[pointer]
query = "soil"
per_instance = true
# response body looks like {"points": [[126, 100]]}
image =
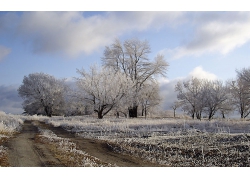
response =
{"points": [[24, 151]]}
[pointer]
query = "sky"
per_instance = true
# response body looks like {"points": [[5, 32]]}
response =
{"points": [[204, 44]]}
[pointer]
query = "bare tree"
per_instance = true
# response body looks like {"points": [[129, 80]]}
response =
{"points": [[216, 94], [239, 91], [103, 88], [43, 94], [131, 58], [174, 106], [190, 95]]}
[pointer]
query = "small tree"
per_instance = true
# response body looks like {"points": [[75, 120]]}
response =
{"points": [[174, 106]]}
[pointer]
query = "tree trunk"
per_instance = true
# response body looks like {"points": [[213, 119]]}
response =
{"points": [[48, 111], [133, 112], [210, 115], [192, 116], [223, 114], [100, 116], [198, 115]]}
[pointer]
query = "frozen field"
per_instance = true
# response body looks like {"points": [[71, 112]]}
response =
{"points": [[170, 142], [166, 141]]}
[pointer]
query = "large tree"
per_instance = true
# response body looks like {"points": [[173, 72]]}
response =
{"points": [[132, 58], [42, 94], [103, 89]]}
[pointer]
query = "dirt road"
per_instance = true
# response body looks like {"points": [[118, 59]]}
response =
{"points": [[24, 151]]}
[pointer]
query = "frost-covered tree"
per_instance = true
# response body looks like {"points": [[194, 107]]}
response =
{"points": [[191, 96], [42, 94], [132, 59], [103, 88], [215, 95], [240, 92], [198, 96]]}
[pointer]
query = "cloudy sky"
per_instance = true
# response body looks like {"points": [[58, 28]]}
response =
{"points": [[202, 44]]}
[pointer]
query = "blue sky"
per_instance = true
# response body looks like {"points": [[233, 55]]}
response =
{"points": [[203, 44]]}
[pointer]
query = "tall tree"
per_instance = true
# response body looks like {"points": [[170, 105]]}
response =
{"points": [[43, 94], [131, 58]]}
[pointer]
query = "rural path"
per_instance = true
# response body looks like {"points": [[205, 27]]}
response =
{"points": [[24, 151]]}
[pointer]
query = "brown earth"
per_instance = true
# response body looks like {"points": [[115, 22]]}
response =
{"points": [[24, 151]]}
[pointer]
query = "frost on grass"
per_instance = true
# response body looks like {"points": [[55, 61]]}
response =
{"points": [[67, 152], [9, 124], [171, 142]]}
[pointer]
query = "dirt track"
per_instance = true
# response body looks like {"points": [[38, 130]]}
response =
{"points": [[24, 151]]}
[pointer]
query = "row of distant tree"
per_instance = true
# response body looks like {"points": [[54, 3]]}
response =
{"points": [[201, 97], [124, 84]]}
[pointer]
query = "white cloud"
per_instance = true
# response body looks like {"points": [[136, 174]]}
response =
{"points": [[214, 32], [4, 52], [73, 33], [198, 72]]}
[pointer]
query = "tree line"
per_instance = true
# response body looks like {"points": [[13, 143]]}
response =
{"points": [[201, 97], [124, 84]]}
